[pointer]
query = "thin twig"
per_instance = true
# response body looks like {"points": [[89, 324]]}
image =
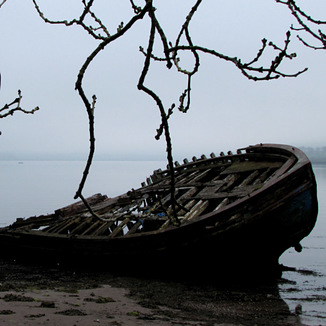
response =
{"points": [[305, 21], [6, 110], [2, 3]]}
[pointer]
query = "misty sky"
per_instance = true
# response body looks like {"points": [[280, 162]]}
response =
{"points": [[228, 111]]}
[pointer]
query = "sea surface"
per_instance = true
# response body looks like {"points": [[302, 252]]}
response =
{"points": [[306, 287], [39, 187]]}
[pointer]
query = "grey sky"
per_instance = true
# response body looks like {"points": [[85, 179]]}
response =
{"points": [[227, 111]]}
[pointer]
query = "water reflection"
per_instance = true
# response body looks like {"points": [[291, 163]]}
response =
{"points": [[304, 288]]}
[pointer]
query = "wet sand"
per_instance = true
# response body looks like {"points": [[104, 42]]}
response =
{"points": [[44, 296]]}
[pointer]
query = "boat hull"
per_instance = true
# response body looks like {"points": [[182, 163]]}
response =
{"points": [[245, 237]]}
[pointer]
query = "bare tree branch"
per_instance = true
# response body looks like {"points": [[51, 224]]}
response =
{"points": [[90, 29], [307, 24], [2, 3], [267, 73], [185, 30], [14, 106], [251, 70], [90, 108], [164, 116]]}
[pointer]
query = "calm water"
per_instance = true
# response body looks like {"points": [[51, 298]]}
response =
{"points": [[307, 285], [39, 187], [34, 188]]}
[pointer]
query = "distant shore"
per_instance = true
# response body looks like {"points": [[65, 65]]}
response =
{"points": [[315, 154]]}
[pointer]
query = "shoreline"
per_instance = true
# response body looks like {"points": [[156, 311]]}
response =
{"points": [[37, 296]]}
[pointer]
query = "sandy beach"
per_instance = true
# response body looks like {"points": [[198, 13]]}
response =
{"points": [[48, 296], [104, 305]]}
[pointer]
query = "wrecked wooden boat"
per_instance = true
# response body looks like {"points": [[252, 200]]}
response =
{"points": [[236, 211]]}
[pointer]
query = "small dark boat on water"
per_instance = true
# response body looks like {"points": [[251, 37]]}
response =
{"points": [[236, 211]]}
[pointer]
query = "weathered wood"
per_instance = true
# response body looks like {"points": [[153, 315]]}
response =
{"points": [[249, 179], [68, 227], [135, 228], [149, 181], [222, 204], [103, 229], [119, 228], [237, 192], [180, 180], [229, 181], [188, 194], [198, 209], [201, 175], [157, 175], [92, 227], [188, 206], [240, 167], [58, 227], [79, 206], [210, 189], [263, 176], [285, 167], [36, 222], [181, 199], [81, 225]]}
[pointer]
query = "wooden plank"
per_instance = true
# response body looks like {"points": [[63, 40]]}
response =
{"points": [[182, 199], [200, 175], [263, 177], [229, 181], [240, 167], [102, 229], [207, 191], [237, 192], [166, 224], [134, 228], [119, 228], [251, 177], [65, 228], [214, 183], [188, 207], [35, 222], [57, 228], [79, 206], [184, 178], [82, 224], [188, 194], [52, 227], [198, 209], [285, 167], [222, 204], [92, 226]]}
